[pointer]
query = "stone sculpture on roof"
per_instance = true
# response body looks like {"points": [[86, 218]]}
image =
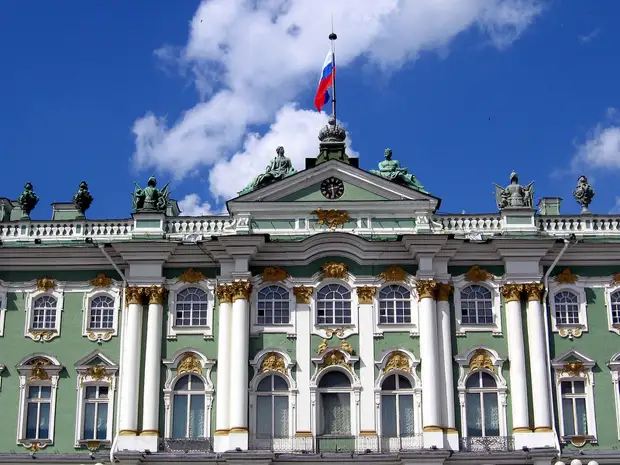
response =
{"points": [[27, 200], [583, 194], [150, 198], [391, 170], [514, 195], [279, 168]]}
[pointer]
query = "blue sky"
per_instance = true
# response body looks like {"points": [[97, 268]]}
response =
{"points": [[111, 92]]}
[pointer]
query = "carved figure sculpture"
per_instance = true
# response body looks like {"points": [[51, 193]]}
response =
{"points": [[583, 194], [150, 198], [27, 200], [279, 168], [392, 171], [514, 195], [82, 198]]}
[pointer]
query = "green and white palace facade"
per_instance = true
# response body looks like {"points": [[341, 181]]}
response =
{"points": [[332, 316]]}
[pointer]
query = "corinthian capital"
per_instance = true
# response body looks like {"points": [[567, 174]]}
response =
{"points": [[512, 292], [134, 295], [426, 288], [241, 290], [534, 291], [224, 293], [156, 294], [443, 291]]}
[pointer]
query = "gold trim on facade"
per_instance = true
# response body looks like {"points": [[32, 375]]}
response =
{"points": [[348, 348], [42, 336], [274, 274], [432, 429], [480, 359], [303, 294], [334, 270], [331, 218], [98, 372], [397, 360], [224, 293], [394, 273], [476, 274], [339, 332], [37, 372], [521, 429], [543, 429], [156, 294], [574, 368], [222, 432], [127, 432], [366, 294], [190, 364], [134, 295], [149, 432], [426, 288], [238, 429], [45, 284], [273, 361], [241, 290], [303, 434], [101, 281], [191, 276], [336, 358], [566, 277], [443, 292], [534, 291], [368, 433], [615, 279], [449, 430], [322, 347], [512, 292]]}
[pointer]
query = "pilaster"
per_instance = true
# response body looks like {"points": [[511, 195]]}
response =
{"points": [[222, 420], [366, 298], [304, 369]]}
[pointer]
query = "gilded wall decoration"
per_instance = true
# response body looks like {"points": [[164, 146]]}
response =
{"points": [[615, 279], [480, 359], [534, 291], [334, 270], [397, 360], [98, 372], [191, 276], [322, 347], [338, 332], [574, 368], [366, 294], [335, 358], [273, 361], [426, 288], [570, 332], [38, 372], [512, 292], [45, 284], [348, 348], [331, 218], [303, 294], [241, 290], [101, 281], [156, 294], [274, 274], [394, 274], [476, 274], [100, 336], [43, 335], [443, 292], [134, 295], [224, 293], [566, 277], [189, 364]]}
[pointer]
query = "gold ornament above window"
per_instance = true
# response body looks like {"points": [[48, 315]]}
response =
{"points": [[334, 270], [336, 358], [574, 368], [98, 372], [481, 359], [476, 274], [101, 281], [191, 276], [566, 277], [190, 364], [393, 273], [274, 274], [615, 279], [348, 348], [273, 361], [45, 284], [38, 373], [331, 218], [397, 360]]}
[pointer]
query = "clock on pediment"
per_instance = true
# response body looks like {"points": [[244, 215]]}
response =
{"points": [[332, 188]]}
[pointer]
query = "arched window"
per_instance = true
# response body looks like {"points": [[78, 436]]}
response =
{"points": [[396, 407], [188, 408], [481, 405], [101, 312], [333, 305], [191, 307], [566, 308], [273, 306], [476, 305], [394, 305], [44, 313], [615, 308], [272, 414], [335, 404]]}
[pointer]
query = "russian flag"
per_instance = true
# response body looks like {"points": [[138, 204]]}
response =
{"points": [[327, 77]]}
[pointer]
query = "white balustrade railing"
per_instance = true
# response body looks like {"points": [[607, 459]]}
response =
{"points": [[221, 225], [451, 224], [599, 225], [65, 230]]}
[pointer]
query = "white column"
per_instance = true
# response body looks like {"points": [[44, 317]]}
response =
{"points": [[541, 398], [128, 403], [152, 364], [304, 366], [429, 357], [366, 297], [222, 394], [446, 362], [516, 354], [239, 362]]}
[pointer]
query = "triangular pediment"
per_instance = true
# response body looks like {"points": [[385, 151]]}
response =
{"points": [[572, 357], [95, 358]]}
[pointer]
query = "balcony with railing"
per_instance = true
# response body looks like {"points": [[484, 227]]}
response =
{"points": [[335, 444], [186, 445], [487, 444]]}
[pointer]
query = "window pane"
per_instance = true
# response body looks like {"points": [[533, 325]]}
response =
{"points": [[582, 418], [474, 414], [102, 421], [264, 385], [336, 413], [334, 379], [280, 416], [491, 414], [569, 418], [46, 392], [91, 392], [487, 380], [44, 420], [263, 416], [388, 416], [182, 383], [179, 416], [579, 387], [405, 414], [197, 416], [279, 384], [31, 421], [89, 421], [389, 383]]}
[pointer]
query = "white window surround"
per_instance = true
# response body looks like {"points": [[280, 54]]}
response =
{"points": [[37, 370], [46, 334], [326, 330], [3, 304], [493, 285], [260, 374], [614, 366], [413, 327], [100, 335], [102, 373], [609, 290], [256, 328], [569, 330], [580, 369], [493, 366], [2, 367], [202, 369], [409, 372], [176, 286]]}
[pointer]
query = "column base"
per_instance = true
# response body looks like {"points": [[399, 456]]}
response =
{"points": [[238, 439], [433, 438], [220, 441], [534, 440], [138, 443], [451, 439]]}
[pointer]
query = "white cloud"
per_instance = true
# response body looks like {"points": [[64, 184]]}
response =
{"points": [[191, 205], [251, 57], [616, 208], [602, 147]]}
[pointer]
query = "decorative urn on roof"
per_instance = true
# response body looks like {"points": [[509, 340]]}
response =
{"points": [[583, 194], [27, 200], [82, 198]]}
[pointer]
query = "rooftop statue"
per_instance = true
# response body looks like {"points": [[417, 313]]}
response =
{"points": [[391, 170], [82, 198], [514, 195], [279, 168], [583, 194], [150, 198], [27, 200]]}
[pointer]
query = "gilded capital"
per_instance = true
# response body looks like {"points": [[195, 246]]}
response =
{"points": [[134, 295], [156, 294], [366, 294], [303, 294], [534, 291], [443, 291], [426, 288], [512, 292], [224, 293], [241, 290]]}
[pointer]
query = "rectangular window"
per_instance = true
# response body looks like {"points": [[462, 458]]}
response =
{"points": [[95, 424], [38, 412], [273, 312], [44, 318], [334, 313], [101, 318], [574, 410], [336, 414], [394, 312]]}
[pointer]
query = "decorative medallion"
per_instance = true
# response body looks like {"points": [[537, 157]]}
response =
{"points": [[534, 291], [426, 289], [190, 364], [334, 270], [191, 276], [331, 218], [394, 273], [512, 292], [273, 361], [615, 279], [332, 188], [34, 446], [397, 360], [45, 284], [322, 347], [274, 274], [566, 277], [93, 446], [570, 332], [224, 293], [335, 358], [134, 295], [476, 274], [574, 368], [156, 294], [42, 336], [348, 348], [38, 373], [98, 336], [480, 359], [366, 294], [98, 372], [339, 332], [443, 292], [241, 290], [303, 294], [101, 281]]}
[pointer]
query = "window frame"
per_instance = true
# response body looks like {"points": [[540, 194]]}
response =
{"points": [[326, 330], [481, 391], [100, 335], [320, 422], [614, 367], [412, 327], [189, 394], [460, 283], [174, 288], [415, 392], [609, 291], [3, 305], [572, 329], [43, 335], [258, 328]]}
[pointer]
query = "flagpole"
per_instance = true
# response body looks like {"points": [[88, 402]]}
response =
{"points": [[332, 38]]}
